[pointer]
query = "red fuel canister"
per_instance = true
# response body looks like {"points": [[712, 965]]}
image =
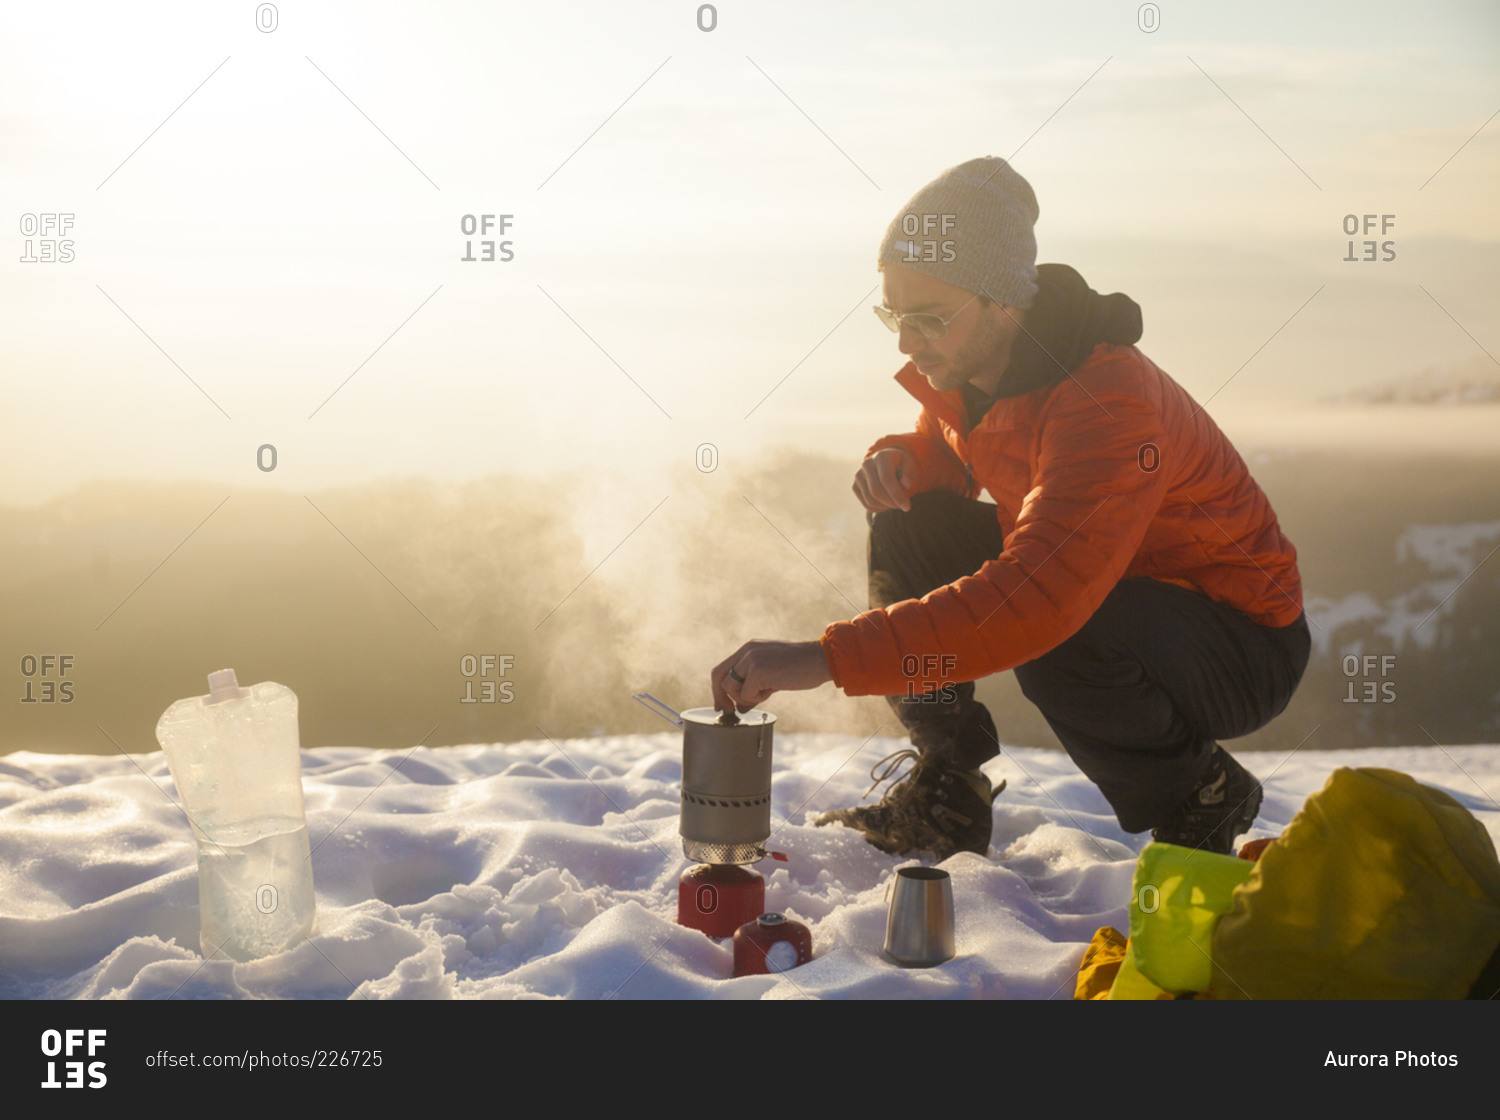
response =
{"points": [[718, 898], [771, 943]]}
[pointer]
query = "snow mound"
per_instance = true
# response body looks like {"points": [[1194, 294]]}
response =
{"points": [[548, 870]]}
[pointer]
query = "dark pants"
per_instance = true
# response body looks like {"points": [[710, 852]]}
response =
{"points": [[1139, 696]]}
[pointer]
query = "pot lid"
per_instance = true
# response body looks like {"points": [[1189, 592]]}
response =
{"points": [[754, 717]]}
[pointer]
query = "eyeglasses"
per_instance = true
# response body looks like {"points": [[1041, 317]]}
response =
{"points": [[928, 324]]}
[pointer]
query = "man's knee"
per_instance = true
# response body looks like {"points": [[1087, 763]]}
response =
{"points": [[1059, 678], [943, 537], [922, 505], [933, 513], [1040, 683]]}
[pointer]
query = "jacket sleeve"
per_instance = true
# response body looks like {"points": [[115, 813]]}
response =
{"points": [[937, 467], [1076, 533]]}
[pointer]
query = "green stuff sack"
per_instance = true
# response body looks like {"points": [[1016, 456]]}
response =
{"points": [[1177, 896], [1380, 888]]}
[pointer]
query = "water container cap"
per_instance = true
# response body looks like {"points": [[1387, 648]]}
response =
{"points": [[224, 685]]}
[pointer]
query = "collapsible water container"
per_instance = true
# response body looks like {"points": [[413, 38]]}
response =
{"points": [[236, 759]]}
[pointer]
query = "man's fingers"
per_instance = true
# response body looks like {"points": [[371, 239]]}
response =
{"points": [[889, 470], [760, 669], [877, 486], [742, 694], [722, 699], [725, 688], [750, 694]]}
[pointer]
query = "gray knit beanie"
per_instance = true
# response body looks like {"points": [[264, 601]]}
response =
{"points": [[971, 227]]}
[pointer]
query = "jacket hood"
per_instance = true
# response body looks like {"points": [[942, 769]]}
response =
{"points": [[1064, 324]]}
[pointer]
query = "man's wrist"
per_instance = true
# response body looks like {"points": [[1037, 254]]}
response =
{"points": [[822, 644], [819, 657]]}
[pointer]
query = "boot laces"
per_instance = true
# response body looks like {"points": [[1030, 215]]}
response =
{"points": [[889, 766], [886, 769]]}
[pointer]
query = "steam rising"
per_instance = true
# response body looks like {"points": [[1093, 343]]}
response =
{"points": [[365, 600]]}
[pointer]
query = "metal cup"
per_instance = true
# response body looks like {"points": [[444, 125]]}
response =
{"points": [[919, 925]]}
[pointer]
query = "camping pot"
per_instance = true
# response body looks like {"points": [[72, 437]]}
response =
{"points": [[726, 782]]}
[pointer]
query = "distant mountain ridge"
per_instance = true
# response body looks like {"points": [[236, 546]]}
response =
{"points": [[1473, 382]]}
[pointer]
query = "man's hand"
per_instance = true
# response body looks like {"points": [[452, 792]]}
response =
{"points": [[759, 668], [884, 480]]}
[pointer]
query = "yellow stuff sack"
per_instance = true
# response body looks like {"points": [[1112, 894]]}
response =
{"points": [[1380, 888], [1101, 961]]}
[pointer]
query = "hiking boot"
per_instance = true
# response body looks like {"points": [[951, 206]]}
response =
{"points": [[932, 807], [948, 723], [1224, 805]]}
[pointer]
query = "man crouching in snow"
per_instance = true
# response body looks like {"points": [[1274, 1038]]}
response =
{"points": [[1129, 571]]}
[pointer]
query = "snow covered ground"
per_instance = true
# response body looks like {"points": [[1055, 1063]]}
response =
{"points": [[1450, 554], [549, 869]]}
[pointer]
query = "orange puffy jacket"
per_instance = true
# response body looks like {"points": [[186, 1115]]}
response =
{"points": [[1110, 473]]}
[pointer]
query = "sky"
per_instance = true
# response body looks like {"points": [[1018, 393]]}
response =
{"points": [[267, 283]]}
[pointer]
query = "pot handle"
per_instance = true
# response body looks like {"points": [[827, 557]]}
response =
{"points": [[651, 703]]}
